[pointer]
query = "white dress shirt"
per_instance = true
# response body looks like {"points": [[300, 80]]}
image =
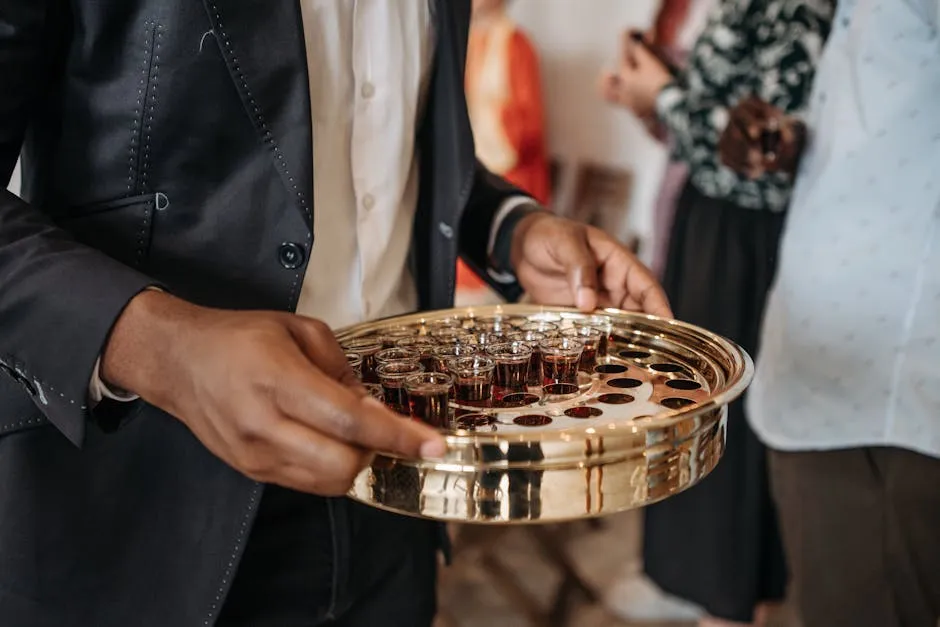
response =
{"points": [[850, 353], [369, 62]]}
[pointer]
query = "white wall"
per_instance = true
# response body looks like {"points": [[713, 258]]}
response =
{"points": [[576, 40]]}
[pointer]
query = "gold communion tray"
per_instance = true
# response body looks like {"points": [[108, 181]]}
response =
{"points": [[645, 420]]}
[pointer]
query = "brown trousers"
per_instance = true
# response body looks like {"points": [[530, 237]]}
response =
{"points": [[861, 528]]}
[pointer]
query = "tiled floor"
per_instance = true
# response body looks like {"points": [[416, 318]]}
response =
{"points": [[472, 594]]}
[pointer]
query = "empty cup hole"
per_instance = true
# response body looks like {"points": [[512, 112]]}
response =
{"points": [[610, 369], [676, 403], [518, 400], [634, 354], [683, 384], [666, 367], [532, 420], [625, 384], [584, 412], [615, 399], [560, 389]]}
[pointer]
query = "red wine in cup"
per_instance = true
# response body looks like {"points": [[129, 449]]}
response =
{"points": [[535, 368], [396, 398], [588, 359], [431, 407], [511, 377], [560, 369], [474, 391]]}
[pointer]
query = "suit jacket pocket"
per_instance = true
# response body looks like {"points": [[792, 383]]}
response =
{"points": [[119, 228]]}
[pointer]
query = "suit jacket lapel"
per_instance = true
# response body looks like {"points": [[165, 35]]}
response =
{"points": [[447, 122], [447, 158], [263, 45]]}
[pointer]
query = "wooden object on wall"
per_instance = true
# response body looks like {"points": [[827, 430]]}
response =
{"points": [[599, 191], [556, 170]]}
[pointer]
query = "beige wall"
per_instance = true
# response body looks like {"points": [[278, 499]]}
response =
{"points": [[576, 40]]}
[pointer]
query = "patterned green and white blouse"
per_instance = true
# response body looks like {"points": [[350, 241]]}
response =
{"points": [[762, 48]]}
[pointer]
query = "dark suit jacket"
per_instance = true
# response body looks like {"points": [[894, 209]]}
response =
{"points": [[163, 142]]}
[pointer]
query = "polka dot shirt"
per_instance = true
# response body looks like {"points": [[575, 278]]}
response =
{"points": [[851, 345]]}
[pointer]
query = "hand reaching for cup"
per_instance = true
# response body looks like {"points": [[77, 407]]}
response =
{"points": [[562, 262]]}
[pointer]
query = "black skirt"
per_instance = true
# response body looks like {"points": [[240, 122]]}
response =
{"points": [[718, 544]]}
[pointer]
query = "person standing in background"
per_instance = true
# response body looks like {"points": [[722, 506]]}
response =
{"points": [[847, 390], [504, 98], [718, 545], [678, 25]]}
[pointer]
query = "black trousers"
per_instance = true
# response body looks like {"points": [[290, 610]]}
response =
{"points": [[313, 562], [718, 544], [861, 529]]}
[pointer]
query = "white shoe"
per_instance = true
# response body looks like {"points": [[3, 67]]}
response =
{"points": [[635, 598]]}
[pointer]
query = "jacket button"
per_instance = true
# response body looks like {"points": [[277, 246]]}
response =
{"points": [[291, 255]]}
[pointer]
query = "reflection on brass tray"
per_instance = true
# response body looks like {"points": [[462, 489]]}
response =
{"points": [[579, 447]]}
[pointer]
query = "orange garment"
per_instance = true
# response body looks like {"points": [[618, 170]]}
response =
{"points": [[505, 103]]}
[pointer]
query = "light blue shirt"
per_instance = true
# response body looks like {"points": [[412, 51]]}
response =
{"points": [[850, 353]]}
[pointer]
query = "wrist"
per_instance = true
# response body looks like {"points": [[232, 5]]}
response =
{"points": [[139, 355], [520, 232], [500, 253]]}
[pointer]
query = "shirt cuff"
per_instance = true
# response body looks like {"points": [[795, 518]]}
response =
{"points": [[509, 207], [98, 390]]}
